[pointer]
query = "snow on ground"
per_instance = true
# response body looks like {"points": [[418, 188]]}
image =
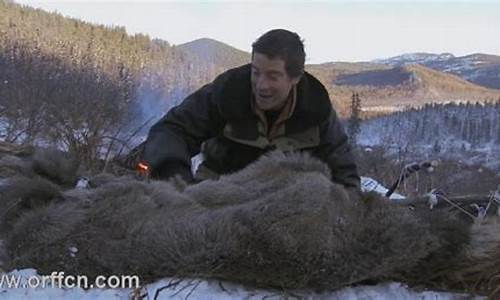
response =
{"points": [[371, 185], [214, 289]]}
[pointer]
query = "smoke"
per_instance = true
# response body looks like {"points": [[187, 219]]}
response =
{"points": [[151, 105]]}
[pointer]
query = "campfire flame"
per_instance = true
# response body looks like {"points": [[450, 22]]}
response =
{"points": [[143, 167]]}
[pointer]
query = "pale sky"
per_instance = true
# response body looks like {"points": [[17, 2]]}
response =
{"points": [[336, 30]]}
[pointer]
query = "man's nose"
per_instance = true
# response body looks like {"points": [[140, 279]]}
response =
{"points": [[262, 83]]}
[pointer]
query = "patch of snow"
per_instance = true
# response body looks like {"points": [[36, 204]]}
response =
{"points": [[453, 69], [446, 56], [420, 58], [169, 288], [371, 185], [83, 183], [383, 108], [196, 162]]}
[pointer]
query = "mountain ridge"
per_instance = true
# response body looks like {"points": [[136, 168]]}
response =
{"points": [[406, 86], [480, 68]]}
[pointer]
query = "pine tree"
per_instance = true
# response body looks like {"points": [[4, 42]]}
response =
{"points": [[354, 122], [436, 148]]}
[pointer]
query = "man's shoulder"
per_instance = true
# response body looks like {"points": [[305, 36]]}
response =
{"points": [[313, 101], [237, 74], [233, 82], [313, 86], [233, 91]]}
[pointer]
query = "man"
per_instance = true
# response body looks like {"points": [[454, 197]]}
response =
{"points": [[250, 110]]}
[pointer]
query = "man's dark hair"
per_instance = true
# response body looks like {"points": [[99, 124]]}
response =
{"points": [[284, 44]]}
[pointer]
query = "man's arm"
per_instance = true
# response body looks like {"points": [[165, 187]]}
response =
{"points": [[337, 152], [178, 136]]}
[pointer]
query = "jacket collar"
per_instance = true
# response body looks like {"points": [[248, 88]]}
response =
{"points": [[285, 113]]}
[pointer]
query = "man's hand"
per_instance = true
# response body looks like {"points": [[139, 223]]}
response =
{"points": [[143, 170]]}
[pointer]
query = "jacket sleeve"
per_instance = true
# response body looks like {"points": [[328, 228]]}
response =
{"points": [[178, 136], [337, 153]]}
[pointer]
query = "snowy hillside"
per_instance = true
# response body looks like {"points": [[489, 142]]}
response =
{"points": [[443, 131]]}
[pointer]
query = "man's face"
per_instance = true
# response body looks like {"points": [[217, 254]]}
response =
{"points": [[270, 82]]}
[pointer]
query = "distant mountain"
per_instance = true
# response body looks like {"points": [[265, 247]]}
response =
{"points": [[384, 89], [482, 69], [327, 73], [215, 52]]}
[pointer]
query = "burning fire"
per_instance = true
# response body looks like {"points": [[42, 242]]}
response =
{"points": [[143, 167], [143, 170]]}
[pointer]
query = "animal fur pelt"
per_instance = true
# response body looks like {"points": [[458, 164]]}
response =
{"points": [[280, 222]]}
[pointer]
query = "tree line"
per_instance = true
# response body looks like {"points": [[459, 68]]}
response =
{"points": [[82, 86], [468, 125]]}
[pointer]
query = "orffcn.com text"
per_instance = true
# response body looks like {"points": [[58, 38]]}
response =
{"points": [[60, 280]]}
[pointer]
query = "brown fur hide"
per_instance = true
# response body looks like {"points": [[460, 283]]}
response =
{"points": [[280, 222]]}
